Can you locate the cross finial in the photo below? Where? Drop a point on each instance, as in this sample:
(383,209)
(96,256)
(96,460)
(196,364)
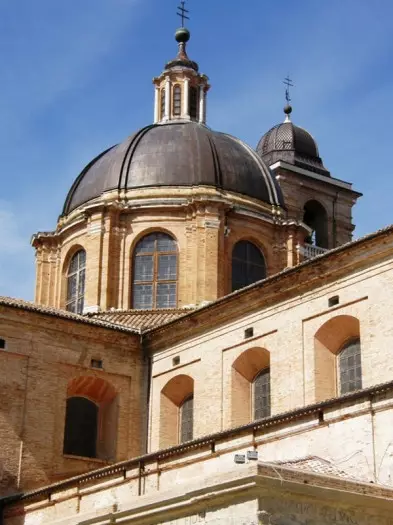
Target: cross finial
(183,12)
(288,82)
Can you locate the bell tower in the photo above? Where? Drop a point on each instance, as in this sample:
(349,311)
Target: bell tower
(180,90)
(312,196)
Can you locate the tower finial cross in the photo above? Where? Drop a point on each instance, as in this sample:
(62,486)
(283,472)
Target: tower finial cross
(183,13)
(288,82)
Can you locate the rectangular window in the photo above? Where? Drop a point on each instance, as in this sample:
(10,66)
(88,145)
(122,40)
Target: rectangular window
(144,268)
(166,295)
(72,284)
(143,296)
(2,344)
(167,270)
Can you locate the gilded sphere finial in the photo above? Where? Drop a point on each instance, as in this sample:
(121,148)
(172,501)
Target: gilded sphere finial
(182,35)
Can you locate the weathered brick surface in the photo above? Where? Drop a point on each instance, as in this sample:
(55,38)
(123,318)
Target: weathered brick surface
(43,354)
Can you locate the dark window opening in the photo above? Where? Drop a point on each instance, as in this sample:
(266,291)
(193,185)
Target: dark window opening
(194,102)
(315,217)
(154,283)
(333,301)
(162,103)
(76,283)
(80,435)
(177,100)
(176,360)
(350,367)
(186,419)
(96,363)
(2,344)
(248,332)
(248,265)
(262,394)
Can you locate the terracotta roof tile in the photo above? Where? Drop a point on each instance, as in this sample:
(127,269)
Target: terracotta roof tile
(140,319)
(63,314)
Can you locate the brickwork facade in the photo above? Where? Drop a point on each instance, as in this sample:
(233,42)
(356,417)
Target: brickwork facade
(42,358)
(205,223)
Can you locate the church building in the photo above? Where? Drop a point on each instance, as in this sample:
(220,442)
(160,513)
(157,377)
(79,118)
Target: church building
(208,344)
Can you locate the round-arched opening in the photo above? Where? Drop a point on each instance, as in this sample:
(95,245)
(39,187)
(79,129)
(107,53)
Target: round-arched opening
(248,265)
(154,272)
(76,277)
(315,217)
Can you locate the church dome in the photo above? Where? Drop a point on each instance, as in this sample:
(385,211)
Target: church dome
(176,154)
(291,144)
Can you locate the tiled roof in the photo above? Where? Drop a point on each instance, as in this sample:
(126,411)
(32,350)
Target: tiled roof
(317,465)
(140,319)
(63,314)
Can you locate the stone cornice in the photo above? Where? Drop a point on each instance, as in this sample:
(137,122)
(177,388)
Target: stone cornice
(121,468)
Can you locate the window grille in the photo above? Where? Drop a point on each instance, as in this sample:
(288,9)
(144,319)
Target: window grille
(186,419)
(350,367)
(193,102)
(177,100)
(154,282)
(162,103)
(248,265)
(80,435)
(76,277)
(262,394)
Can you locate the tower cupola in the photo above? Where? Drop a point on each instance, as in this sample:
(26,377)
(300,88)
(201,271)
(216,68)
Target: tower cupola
(180,90)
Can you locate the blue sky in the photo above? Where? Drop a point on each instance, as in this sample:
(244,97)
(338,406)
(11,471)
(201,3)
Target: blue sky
(76,78)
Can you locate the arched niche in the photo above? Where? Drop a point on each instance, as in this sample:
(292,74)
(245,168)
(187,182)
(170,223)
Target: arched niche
(91,419)
(176,407)
(329,340)
(245,370)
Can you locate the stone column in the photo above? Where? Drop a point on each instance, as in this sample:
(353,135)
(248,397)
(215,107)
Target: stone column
(186,99)
(167,98)
(202,108)
(156,105)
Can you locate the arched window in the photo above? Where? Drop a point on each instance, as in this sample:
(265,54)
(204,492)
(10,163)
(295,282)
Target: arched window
(162,103)
(80,435)
(177,100)
(154,283)
(186,419)
(176,411)
(248,265)
(350,367)
(250,386)
(315,216)
(91,418)
(262,394)
(193,102)
(76,283)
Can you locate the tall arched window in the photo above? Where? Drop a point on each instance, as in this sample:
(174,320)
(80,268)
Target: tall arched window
(162,103)
(186,419)
(80,435)
(193,102)
(315,216)
(154,282)
(262,394)
(350,367)
(177,100)
(76,283)
(248,265)
(91,418)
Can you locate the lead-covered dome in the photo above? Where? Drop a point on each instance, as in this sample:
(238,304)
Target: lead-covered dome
(176,154)
(291,144)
